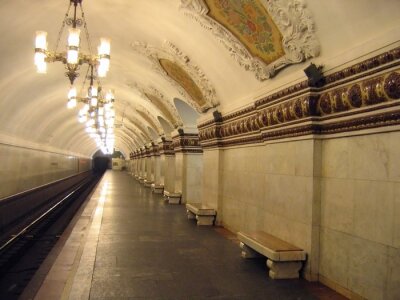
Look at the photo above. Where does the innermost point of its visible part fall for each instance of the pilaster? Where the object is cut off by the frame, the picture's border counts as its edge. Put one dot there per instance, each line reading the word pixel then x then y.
pixel 188 164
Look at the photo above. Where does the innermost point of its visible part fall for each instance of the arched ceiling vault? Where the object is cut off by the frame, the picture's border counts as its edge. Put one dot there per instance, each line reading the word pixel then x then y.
pixel 205 56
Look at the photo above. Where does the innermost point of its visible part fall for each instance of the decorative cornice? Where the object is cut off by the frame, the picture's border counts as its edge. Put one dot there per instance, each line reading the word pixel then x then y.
pixel 293 21
pixel 165 147
pixel 186 143
pixel 358 104
pixel 173 53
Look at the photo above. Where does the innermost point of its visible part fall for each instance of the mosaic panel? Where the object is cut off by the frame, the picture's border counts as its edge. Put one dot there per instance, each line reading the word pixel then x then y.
pixel 250 22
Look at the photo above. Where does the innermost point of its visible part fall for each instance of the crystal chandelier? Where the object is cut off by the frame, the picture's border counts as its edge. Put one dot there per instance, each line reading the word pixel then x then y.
pixel 97 113
pixel 72 58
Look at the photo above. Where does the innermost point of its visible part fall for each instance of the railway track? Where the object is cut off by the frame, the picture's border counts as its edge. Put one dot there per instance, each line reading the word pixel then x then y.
pixel 23 251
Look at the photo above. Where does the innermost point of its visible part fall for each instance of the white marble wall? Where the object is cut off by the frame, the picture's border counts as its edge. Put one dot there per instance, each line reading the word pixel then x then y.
pixel 23 169
pixel 360 213
pixel 272 188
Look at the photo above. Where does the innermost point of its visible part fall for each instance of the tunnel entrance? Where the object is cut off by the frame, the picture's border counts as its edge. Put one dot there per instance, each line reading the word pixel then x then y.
pixel 101 162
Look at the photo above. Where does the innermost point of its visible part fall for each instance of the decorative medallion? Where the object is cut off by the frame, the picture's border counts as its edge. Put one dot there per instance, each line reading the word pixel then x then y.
pixel 176 67
pixel 263 36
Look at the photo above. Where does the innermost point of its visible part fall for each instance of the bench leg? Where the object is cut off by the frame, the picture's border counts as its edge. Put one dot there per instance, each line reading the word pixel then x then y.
pixel 190 215
pixel 205 220
pixel 247 252
pixel 174 200
pixel 284 269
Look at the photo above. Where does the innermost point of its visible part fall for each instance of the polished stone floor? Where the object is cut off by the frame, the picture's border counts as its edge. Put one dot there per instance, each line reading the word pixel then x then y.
pixel 138 247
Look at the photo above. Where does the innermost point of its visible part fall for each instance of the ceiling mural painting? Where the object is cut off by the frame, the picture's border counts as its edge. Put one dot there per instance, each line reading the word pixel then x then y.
pixel 180 76
pixel 177 68
pixel 263 36
pixel 249 22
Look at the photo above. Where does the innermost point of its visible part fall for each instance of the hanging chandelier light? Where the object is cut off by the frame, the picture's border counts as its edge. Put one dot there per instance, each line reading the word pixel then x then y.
pixel 73 57
pixel 97 112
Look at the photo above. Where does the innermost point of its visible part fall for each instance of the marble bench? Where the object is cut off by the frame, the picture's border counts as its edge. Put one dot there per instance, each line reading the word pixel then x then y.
pixel 148 183
pixel 283 259
pixel 157 188
pixel 203 214
pixel 173 198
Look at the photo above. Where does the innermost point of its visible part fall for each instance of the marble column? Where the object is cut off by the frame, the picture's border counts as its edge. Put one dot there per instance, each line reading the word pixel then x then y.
pixel 142 165
pixel 149 178
pixel 167 176
pixel 157 186
pixel 188 165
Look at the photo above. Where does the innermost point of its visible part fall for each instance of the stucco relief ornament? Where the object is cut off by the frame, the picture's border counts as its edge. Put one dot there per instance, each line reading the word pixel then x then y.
pixel 173 54
pixel 295 24
pixel 150 119
pixel 146 92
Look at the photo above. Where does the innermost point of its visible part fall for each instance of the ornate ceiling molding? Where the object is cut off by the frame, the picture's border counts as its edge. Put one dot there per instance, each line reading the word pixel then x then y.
pixel 172 53
pixel 290 16
pixel 150 119
pixel 157 98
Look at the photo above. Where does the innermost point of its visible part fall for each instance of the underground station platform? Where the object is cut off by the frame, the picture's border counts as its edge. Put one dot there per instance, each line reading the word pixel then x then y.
pixel 126 242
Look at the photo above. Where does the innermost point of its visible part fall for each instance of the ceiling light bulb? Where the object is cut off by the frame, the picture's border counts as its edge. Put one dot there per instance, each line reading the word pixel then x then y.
pixel 71 103
pixel 73 37
pixel 93 101
pixel 41 40
pixel 104 48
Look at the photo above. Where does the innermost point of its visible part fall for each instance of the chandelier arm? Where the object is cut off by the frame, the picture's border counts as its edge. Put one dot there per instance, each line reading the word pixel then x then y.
pixel 84 81
pixel 86 31
pixel 62 28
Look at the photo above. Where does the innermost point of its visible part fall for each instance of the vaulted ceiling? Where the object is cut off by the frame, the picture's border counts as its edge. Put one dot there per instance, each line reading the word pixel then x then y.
pixel 171 61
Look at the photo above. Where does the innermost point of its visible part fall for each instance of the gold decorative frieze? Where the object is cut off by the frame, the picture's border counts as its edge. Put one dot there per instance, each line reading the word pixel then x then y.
pixel 364 93
pixel 186 143
pixel 165 147
pixel 368 99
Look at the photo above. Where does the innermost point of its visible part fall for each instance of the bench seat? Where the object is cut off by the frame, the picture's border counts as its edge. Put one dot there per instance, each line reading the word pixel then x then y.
pixel 157 188
pixel 283 259
pixel 173 198
pixel 148 183
pixel 203 214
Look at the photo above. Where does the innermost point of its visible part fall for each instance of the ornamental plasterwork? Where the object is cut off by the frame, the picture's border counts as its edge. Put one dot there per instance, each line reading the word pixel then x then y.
pixel 156 97
pixel 134 133
pixel 149 118
pixel 171 107
pixel 295 24
pixel 172 54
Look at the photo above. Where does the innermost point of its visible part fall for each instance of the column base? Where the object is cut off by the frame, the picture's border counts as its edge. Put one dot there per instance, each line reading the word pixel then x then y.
pixel 157 188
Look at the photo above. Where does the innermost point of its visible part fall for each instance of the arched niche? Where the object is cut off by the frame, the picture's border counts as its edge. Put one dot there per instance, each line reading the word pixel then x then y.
pixel 188 115
pixel 166 126
pixel 153 133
